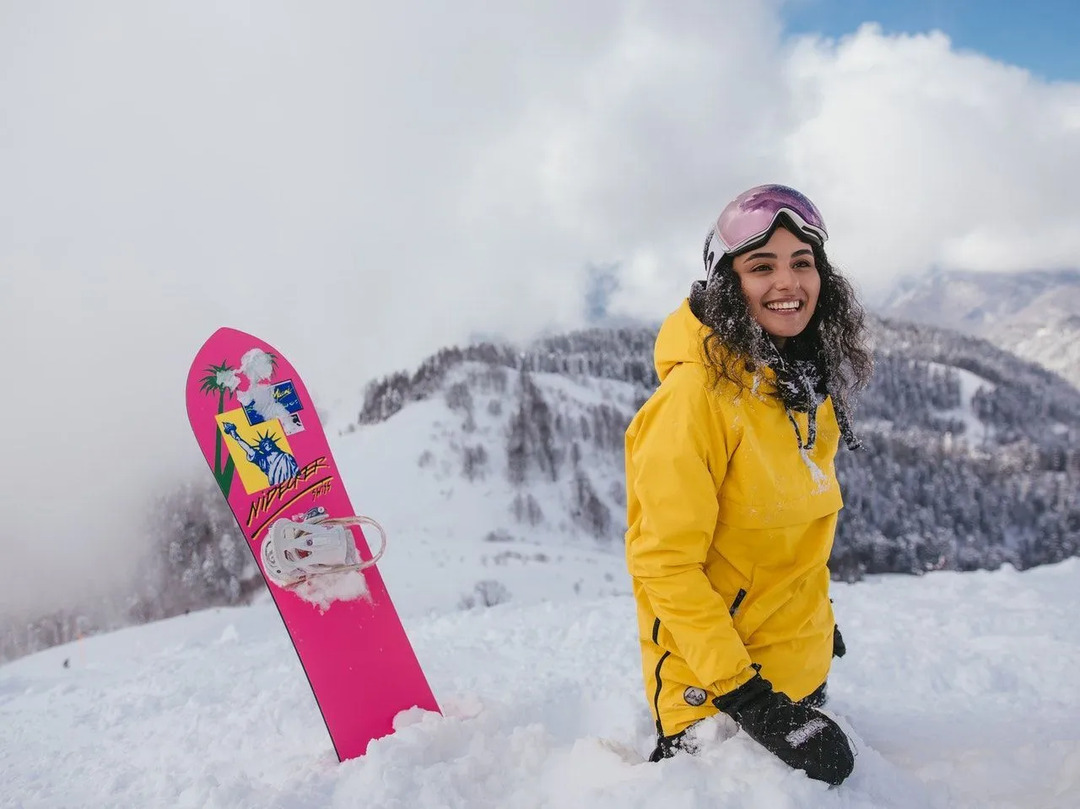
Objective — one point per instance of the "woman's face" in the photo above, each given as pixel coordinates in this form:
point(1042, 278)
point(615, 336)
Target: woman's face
point(781, 283)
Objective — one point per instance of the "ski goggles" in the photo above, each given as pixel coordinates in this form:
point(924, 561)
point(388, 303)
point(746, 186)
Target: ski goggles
point(749, 217)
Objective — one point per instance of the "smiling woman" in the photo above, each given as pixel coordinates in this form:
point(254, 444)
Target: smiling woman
point(781, 285)
point(732, 497)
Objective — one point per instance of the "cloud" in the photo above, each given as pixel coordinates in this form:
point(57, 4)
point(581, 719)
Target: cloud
point(928, 157)
point(362, 186)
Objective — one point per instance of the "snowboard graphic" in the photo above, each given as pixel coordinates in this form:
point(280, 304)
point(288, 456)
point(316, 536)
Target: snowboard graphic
point(260, 434)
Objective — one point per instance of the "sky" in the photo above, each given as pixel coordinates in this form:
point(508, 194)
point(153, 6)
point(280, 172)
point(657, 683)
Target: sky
point(362, 184)
point(1039, 35)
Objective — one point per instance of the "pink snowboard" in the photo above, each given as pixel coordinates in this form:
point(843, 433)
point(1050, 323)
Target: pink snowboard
point(258, 430)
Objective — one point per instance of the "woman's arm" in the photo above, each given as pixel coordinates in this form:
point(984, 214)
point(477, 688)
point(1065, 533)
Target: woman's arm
point(676, 455)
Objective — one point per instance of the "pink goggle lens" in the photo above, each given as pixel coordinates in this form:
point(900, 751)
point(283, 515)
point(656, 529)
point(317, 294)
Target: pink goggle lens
point(750, 215)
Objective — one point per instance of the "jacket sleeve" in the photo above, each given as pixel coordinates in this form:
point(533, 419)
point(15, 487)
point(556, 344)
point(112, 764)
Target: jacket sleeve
point(674, 463)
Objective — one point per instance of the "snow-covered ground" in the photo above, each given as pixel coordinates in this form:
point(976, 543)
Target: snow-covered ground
point(958, 689)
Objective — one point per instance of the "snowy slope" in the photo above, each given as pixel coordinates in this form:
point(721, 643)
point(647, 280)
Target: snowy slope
point(447, 533)
point(1035, 315)
point(960, 691)
point(975, 431)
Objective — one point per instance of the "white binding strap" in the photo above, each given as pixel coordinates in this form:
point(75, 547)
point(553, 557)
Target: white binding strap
point(360, 520)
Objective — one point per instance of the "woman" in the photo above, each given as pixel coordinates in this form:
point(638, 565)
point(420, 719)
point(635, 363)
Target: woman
point(732, 494)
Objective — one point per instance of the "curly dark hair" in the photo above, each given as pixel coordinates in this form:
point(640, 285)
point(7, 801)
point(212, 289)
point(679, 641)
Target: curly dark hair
point(834, 340)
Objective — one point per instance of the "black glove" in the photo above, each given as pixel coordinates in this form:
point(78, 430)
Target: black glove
point(838, 647)
point(800, 736)
point(817, 697)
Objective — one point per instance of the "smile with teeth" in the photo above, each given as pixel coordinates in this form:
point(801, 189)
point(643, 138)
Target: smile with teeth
point(784, 306)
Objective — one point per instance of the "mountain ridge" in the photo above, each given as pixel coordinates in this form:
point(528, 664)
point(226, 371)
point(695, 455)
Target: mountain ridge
point(1033, 314)
point(971, 451)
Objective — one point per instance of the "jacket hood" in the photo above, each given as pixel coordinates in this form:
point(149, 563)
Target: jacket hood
point(680, 340)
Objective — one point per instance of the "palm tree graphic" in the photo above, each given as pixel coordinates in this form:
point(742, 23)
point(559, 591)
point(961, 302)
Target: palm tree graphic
point(210, 384)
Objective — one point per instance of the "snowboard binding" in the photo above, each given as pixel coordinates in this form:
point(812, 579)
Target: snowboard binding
point(314, 544)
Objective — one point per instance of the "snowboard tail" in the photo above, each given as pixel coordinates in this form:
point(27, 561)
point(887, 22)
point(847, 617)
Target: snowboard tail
point(260, 434)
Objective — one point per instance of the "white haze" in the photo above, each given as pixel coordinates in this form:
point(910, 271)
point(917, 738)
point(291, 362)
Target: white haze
point(363, 184)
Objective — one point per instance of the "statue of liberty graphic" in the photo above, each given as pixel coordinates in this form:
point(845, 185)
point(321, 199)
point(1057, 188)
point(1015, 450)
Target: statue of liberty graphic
point(278, 465)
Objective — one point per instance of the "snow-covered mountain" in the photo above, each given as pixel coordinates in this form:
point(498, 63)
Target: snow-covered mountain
point(501, 468)
point(972, 459)
point(1035, 315)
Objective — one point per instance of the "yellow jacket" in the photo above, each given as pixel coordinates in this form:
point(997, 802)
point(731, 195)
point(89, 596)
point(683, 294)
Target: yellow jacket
point(730, 526)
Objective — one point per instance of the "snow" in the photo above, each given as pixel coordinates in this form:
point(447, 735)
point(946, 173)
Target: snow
point(958, 690)
point(228, 378)
point(446, 534)
point(816, 473)
point(975, 431)
point(258, 366)
point(324, 590)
